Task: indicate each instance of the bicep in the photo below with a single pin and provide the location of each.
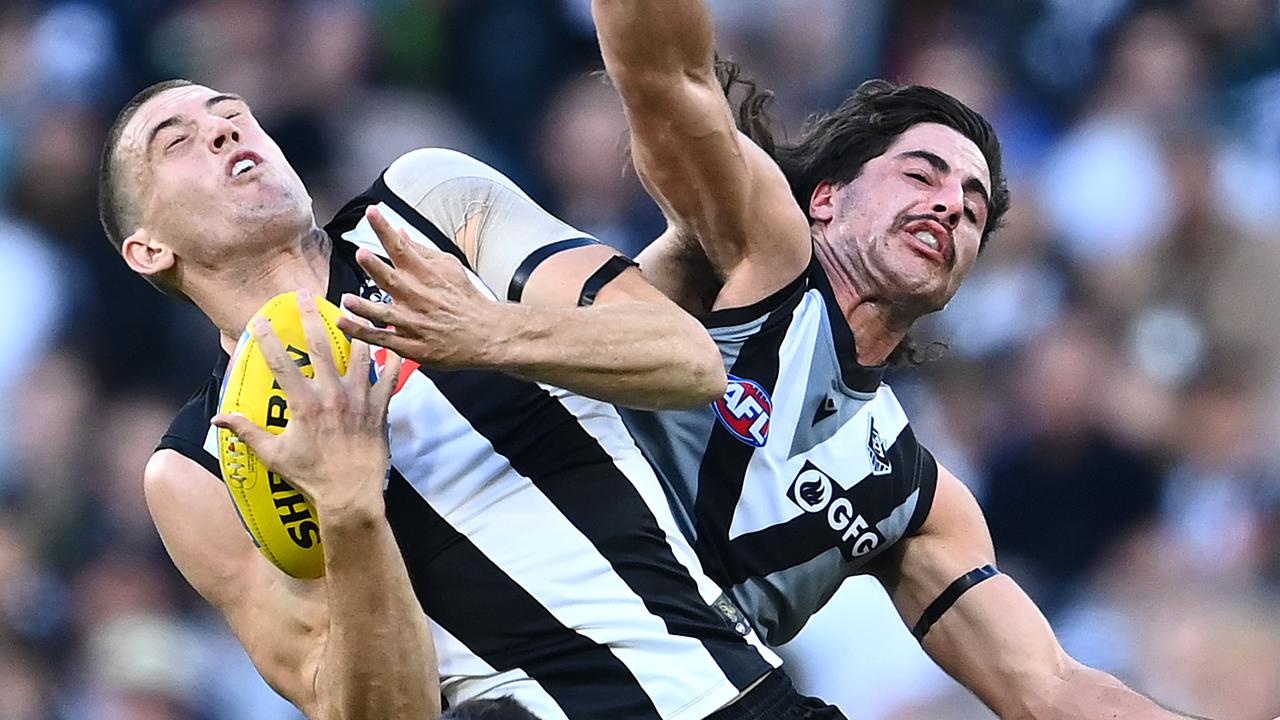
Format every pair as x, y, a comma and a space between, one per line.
993, 639
279, 620
593, 275
712, 182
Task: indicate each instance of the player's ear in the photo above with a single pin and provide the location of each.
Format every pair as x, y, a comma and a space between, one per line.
145, 255
821, 208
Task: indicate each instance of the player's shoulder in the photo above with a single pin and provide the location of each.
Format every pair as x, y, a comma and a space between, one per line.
167, 469
188, 432
416, 173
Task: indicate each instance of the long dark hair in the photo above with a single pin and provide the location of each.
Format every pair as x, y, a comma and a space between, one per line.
835, 145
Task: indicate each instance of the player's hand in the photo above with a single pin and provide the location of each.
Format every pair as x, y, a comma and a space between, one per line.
334, 448
438, 317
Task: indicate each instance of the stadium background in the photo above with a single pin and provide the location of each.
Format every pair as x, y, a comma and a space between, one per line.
1110, 391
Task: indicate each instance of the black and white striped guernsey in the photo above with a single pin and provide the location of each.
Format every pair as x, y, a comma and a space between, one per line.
537, 537
804, 472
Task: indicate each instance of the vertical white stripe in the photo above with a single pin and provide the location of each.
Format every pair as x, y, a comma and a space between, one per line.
844, 455
602, 422
476, 679
764, 484
522, 532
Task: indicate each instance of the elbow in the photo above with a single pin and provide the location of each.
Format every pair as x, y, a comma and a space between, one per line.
709, 379
1050, 696
701, 377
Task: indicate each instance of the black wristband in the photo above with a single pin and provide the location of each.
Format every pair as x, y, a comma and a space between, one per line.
605, 275
949, 597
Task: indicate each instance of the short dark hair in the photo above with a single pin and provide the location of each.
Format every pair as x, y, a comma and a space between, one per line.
113, 208
504, 708
110, 202
834, 146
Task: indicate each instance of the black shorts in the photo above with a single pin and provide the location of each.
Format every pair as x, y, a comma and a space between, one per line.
775, 698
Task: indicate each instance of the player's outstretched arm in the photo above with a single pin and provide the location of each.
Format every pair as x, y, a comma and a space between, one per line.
993, 639
714, 185
372, 655
576, 315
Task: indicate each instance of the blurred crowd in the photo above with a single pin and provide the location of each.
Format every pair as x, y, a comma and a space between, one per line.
1109, 387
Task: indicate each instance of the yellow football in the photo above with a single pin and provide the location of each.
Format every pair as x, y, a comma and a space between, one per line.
281, 521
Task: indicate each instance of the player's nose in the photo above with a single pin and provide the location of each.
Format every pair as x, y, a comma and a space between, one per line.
222, 134
948, 204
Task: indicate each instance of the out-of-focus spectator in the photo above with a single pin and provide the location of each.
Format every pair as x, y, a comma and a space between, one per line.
592, 188
1110, 391
1064, 487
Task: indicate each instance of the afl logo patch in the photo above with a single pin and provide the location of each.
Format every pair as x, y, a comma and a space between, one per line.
744, 411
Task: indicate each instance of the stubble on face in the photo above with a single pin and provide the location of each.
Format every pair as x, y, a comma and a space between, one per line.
899, 190
179, 187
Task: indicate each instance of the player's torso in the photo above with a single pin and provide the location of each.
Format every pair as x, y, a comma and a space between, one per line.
543, 546
804, 472
540, 543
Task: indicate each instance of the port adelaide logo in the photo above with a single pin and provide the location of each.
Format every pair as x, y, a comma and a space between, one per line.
880, 463
744, 411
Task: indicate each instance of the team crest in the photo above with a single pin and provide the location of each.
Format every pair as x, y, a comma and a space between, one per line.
732, 615
744, 411
880, 464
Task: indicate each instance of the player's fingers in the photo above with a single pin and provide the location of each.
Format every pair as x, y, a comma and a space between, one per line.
395, 242
378, 337
282, 365
374, 312
388, 381
261, 442
385, 276
357, 377
317, 338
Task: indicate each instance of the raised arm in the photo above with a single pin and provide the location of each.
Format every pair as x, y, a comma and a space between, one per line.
994, 640
715, 186
576, 315
353, 644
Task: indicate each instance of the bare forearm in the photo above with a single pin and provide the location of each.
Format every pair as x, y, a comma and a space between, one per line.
379, 660
651, 39
629, 353
1087, 693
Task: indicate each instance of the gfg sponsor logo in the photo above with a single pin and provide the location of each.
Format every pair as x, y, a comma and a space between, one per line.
814, 491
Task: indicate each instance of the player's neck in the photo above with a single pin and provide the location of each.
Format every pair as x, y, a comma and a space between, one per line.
878, 327
231, 297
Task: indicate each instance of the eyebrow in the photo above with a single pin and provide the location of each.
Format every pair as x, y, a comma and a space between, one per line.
169, 122
224, 97
177, 119
970, 185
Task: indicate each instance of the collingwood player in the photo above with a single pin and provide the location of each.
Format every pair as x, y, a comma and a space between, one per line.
519, 516
810, 262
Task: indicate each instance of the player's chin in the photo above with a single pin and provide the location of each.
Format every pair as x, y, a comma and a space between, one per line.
924, 293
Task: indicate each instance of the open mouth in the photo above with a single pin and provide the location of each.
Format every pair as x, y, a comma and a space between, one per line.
931, 239
242, 163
